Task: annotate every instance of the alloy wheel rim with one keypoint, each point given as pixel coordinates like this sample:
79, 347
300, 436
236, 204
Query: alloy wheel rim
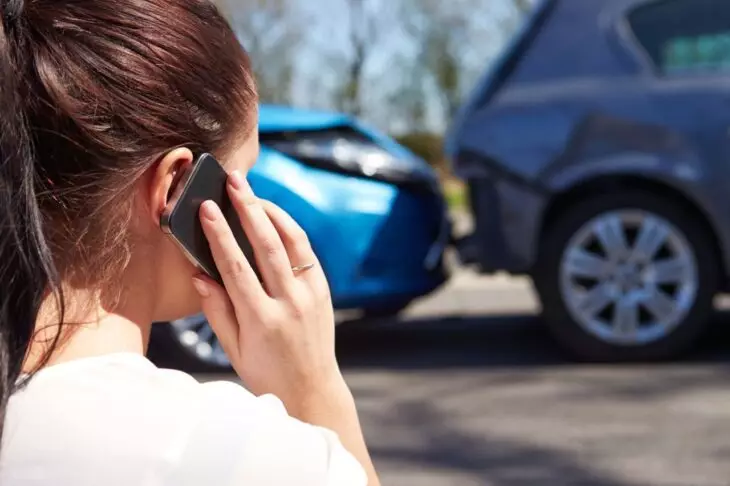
197, 338
628, 277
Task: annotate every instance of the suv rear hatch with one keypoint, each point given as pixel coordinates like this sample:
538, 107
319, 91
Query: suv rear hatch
500, 69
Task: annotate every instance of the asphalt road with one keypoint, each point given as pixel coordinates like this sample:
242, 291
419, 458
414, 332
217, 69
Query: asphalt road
470, 390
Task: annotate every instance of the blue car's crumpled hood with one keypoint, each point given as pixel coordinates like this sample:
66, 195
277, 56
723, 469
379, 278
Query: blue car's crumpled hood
274, 118
277, 118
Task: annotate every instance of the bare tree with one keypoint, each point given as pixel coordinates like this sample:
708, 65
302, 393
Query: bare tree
407, 102
441, 32
376, 72
362, 35
266, 30
524, 6
456, 40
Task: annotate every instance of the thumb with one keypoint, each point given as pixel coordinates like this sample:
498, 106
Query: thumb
219, 311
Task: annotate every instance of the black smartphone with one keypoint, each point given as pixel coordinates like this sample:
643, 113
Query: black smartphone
204, 180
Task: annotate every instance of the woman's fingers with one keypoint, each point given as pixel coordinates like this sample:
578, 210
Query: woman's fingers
296, 243
292, 235
240, 280
220, 313
271, 255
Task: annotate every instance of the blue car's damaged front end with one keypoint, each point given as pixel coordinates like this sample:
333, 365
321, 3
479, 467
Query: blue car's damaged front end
373, 211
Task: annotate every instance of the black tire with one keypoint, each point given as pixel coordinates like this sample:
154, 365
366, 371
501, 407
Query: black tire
583, 344
165, 350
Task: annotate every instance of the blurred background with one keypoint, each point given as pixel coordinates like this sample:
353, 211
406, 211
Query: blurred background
522, 209
401, 65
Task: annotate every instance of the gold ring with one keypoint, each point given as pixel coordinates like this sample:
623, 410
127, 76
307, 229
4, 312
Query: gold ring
302, 268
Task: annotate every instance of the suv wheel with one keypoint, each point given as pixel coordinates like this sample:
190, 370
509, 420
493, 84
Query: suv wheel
627, 276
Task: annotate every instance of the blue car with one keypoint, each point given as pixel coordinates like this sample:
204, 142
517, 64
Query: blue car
374, 213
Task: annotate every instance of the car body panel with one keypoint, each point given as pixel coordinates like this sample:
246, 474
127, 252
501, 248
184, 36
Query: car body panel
572, 112
275, 118
349, 219
283, 118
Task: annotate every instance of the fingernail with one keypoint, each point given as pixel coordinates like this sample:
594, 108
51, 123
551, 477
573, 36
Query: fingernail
201, 287
210, 210
237, 180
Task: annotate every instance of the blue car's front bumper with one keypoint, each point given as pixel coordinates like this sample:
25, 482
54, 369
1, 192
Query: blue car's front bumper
380, 244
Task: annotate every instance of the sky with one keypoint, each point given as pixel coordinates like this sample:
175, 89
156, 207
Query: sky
323, 49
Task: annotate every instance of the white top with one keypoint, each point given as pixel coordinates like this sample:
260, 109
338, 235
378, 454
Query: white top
118, 420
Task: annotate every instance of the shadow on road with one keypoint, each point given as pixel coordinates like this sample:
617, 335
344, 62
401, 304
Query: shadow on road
444, 446
496, 416
492, 400
476, 341
443, 342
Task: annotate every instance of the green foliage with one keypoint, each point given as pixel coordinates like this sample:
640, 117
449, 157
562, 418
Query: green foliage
456, 195
428, 146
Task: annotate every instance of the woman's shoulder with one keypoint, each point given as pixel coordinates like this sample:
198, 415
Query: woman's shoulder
164, 421
107, 377
114, 406
126, 385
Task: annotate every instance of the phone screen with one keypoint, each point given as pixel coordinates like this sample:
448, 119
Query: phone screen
205, 180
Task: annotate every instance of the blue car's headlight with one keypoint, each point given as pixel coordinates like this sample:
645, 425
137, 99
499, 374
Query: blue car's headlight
350, 153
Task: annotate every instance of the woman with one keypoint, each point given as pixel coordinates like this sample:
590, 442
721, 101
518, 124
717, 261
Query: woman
103, 103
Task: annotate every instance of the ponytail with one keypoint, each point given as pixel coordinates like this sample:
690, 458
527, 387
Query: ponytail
26, 266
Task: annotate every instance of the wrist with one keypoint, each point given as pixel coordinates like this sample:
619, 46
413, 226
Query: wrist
326, 397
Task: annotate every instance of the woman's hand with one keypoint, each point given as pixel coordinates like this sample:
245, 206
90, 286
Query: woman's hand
279, 336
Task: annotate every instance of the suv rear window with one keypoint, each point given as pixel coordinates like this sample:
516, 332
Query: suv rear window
684, 36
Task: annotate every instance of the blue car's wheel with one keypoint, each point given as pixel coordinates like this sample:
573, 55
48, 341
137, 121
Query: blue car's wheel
188, 344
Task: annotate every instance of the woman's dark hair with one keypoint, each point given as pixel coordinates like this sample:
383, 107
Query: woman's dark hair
92, 92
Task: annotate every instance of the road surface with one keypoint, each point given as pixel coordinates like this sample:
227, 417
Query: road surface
469, 390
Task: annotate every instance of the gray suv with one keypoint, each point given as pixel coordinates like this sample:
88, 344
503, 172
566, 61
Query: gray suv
597, 155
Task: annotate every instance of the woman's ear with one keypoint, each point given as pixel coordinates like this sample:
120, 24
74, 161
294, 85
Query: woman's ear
164, 178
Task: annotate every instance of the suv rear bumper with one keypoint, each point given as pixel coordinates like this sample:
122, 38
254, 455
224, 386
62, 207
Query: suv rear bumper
507, 219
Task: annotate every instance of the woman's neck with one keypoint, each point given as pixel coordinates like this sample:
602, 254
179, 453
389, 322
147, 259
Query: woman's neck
89, 328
